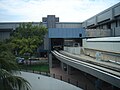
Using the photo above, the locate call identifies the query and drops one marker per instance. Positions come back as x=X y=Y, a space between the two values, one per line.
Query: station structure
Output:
x=92 y=46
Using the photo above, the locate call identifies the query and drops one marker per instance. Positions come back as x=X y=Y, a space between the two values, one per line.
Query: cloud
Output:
x=67 y=10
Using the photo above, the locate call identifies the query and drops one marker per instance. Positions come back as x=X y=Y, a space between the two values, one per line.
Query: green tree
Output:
x=8 y=67
x=27 y=38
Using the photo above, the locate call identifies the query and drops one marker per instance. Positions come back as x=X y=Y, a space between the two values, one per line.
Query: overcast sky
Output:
x=66 y=10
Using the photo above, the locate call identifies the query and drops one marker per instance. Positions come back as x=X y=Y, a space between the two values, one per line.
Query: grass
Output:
x=38 y=67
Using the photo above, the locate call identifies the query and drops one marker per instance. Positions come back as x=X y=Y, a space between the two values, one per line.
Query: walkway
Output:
x=41 y=82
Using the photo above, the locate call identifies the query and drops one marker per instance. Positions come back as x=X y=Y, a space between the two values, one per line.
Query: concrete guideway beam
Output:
x=97 y=71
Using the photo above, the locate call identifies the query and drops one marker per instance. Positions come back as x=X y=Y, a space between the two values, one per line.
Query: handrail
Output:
x=60 y=77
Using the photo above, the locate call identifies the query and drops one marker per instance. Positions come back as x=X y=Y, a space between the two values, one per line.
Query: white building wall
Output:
x=104 y=16
x=103 y=44
x=91 y=21
x=73 y=50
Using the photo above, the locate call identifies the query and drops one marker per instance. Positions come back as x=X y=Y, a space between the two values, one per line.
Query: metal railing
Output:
x=103 y=32
x=98 y=32
x=74 y=82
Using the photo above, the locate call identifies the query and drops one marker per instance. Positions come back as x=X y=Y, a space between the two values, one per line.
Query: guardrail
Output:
x=74 y=82
x=103 y=32
x=98 y=33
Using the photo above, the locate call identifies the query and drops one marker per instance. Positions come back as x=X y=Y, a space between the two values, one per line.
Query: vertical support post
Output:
x=53 y=75
x=98 y=84
x=60 y=77
x=68 y=80
x=68 y=69
x=77 y=83
x=50 y=60
x=62 y=66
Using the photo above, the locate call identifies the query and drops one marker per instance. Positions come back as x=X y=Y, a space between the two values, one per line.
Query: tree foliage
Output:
x=8 y=67
x=27 y=37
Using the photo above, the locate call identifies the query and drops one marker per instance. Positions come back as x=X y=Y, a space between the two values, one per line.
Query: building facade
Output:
x=104 y=24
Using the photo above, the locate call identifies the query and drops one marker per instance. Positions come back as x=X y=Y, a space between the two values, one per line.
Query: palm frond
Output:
x=9 y=81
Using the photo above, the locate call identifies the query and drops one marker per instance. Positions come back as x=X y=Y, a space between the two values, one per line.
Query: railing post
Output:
x=68 y=80
x=60 y=77
x=33 y=70
x=85 y=88
x=53 y=75
x=77 y=83
x=26 y=69
x=46 y=74
x=39 y=72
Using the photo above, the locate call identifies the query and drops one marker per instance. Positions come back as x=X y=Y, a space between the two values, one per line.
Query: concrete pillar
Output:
x=98 y=84
x=62 y=66
x=50 y=60
x=68 y=69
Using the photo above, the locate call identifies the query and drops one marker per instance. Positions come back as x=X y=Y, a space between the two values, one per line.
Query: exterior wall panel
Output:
x=109 y=13
x=84 y=24
x=4 y=35
x=9 y=25
x=105 y=44
x=117 y=11
x=104 y=16
x=68 y=25
x=91 y=21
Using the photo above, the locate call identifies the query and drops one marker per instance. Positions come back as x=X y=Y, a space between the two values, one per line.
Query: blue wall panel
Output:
x=66 y=32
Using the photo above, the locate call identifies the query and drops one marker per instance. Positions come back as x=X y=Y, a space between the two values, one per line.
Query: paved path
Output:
x=40 y=82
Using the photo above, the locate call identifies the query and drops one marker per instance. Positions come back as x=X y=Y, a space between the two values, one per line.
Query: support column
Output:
x=62 y=66
x=68 y=69
x=50 y=60
x=98 y=84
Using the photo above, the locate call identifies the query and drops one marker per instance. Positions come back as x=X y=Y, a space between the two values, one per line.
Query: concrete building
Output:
x=108 y=20
x=104 y=24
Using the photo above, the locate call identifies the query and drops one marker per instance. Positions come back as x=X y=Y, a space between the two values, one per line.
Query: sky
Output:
x=66 y=10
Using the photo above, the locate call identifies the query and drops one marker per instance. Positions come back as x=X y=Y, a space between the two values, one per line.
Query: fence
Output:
x=103 y=32
x=60 y=77
x=98 y=32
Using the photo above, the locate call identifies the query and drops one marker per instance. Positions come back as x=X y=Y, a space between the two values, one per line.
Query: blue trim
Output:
x=66 y=33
